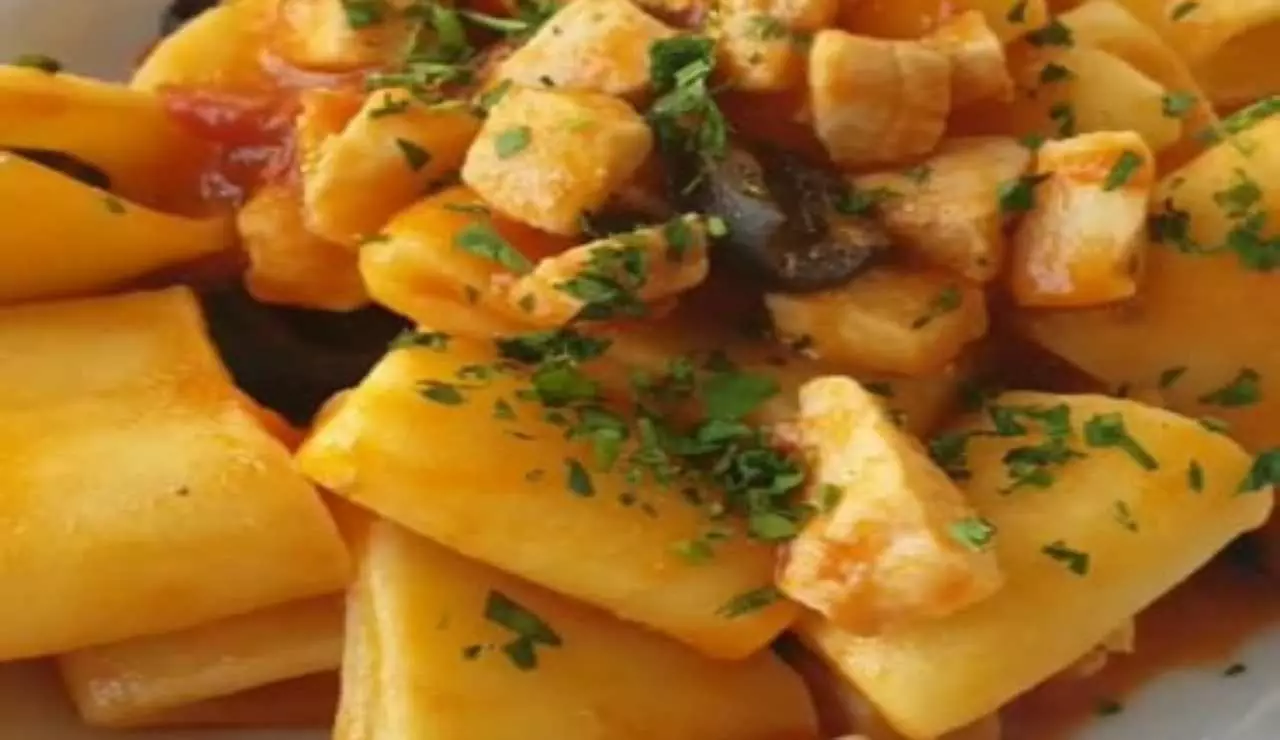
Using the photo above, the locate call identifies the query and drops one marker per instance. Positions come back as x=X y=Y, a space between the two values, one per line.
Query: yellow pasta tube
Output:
x=1230 y=44
x=63 y=238
x=221 y=49
x=135 y=682
x=125 y=133
x=1109 y=532
x=1210 y=356
x=140 y=496
x=1108 y=26
x=510 y=492
x=439 y=650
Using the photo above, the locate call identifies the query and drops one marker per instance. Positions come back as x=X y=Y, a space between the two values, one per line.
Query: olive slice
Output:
x=783 y=226
x=293 y=360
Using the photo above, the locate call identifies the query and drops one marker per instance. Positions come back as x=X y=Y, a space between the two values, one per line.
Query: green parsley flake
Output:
x=1124 y=516
x=491 y=97
x=679 y=238
x=1017 y=12
x=610 y=282
x=482 y=240
x=772 y=526
x=390 y=107
x=974 y=533
x=750 y=602
x=767 y=27
x=947 y=301
x=1054 y=72
x=1053 y=33
x=1240 y=198
x=1243 y=390
x=734 y=395
x=41 y=62
x=436 y=340
x=857 y=202
x=445 y=394
x=578 y=479
x=1218 y=426
x=1126 y=165
x=503 y=410
x=1076 y=561
x=1264 y=473
x=919 y=174
x=1019 y=196
x=829 y=497
x=363 y=13
x=1183 y=9
x=1064 y=116
x=415 y=156
x=1235 y=669
x=1178 y=104
x=529 y=629
x=512 y=141
x=1195 y=476
x=1172 y=375
x=685 y=116
x=1108 y=708
x=114 y=205
x=1108 y=430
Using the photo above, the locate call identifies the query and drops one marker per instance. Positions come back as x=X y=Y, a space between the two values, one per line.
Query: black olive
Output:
x=68 y=165
x=181 y=11
x=783 y=226
x=292 y=360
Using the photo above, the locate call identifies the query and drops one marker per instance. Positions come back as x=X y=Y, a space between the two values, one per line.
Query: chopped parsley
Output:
x=1172 y=375
x=1242 y=120
x=363 y=13
x=41 y=62
x=503 y=410
x=1264 y=473
x=1053 y=33
x=1076 y=561
x=1108 y=708
x=114 y=205
x=529 y=629
x=491 y=97
x=685 y=116
x=1195 y=476
x=974 y=533
x=949 y=299
x=608 y=284
x=862 y=202
x=1017 y=12
x=1217 y=426
x=414 y=156
x=1033 y=465
x=1108 y=430
x=679 y=238
x=1019 y=196
x=1126 y=165
x=1235 y=669
x=1242 y=390
x=829 y=497
x=767 y=27
x=919 y=174
x=1183 y=9
x=1064 y=116
x=1054 y=72
x=750 y=602
x=482 y=240
x=436 y=340
x=445 y=394
x=1124 y=516
x=578 y=479
x=512 y=141
x=390 y=107
x=731 y=395
x=1178 y=104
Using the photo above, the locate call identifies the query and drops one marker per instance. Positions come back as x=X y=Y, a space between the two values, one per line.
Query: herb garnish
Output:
x=1242 y=390
x=1126 y=165
x=1019 y=196
x=482 y=240
x=974 y=533
x=530 y=630
x=1076 y=561
x=948 y=299
x=750 y=602
x=512 y=141
x=1108 y=430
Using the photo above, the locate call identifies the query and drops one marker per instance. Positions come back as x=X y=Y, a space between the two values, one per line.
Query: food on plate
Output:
x=617 y=369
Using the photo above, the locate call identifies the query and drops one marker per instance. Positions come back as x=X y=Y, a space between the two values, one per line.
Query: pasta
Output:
x=416 y=607
x=705 y=415
x=143 y=680
x=198 y=507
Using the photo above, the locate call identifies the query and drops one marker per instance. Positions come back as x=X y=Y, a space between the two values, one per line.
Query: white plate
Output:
x=104 y=37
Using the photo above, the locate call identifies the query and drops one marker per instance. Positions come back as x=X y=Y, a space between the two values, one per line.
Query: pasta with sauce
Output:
x=771 y=369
